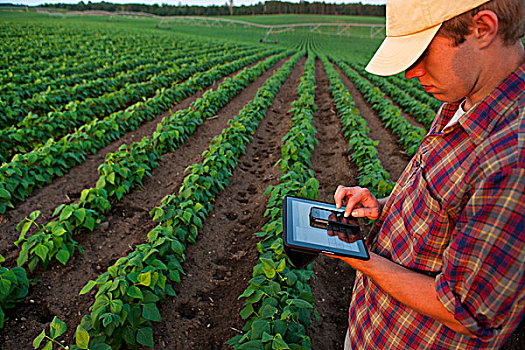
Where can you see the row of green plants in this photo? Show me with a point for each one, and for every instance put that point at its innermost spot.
(422, 112)
(112, 79)
(408, 135)
(38, 52)
(278, 301)
(122, 171)
(32, 170)
(100, 65)
(14, 286)
(34, 130)
(363, 150)
(52, 51)
(125, 304)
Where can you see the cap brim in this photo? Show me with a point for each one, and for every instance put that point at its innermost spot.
(397, 53)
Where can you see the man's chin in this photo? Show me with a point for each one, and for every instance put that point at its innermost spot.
(444, 98)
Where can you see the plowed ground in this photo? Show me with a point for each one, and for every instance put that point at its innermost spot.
(205, 312)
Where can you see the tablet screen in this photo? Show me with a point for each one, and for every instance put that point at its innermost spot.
(300, 234)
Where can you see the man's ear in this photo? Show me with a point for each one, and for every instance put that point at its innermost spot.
(485, 27)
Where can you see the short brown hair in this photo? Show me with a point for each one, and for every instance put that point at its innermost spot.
(510, 18)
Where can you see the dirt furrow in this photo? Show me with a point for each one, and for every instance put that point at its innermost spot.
(391, 154)
(67, 188)
(332, 285)
(126, 225)
(206, 311)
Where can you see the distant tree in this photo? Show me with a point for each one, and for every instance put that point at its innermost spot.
(268, 7)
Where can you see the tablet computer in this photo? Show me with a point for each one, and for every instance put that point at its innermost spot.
(316, 227)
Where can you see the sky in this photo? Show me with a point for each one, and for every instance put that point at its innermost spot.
(183, 2)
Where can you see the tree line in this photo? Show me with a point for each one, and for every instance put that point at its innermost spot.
(262, 8)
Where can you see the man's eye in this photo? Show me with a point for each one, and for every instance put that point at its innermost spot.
(418, 61)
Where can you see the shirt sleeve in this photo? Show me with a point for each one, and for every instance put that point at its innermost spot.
(483, 275)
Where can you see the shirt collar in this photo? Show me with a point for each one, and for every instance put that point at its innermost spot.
(480, 119)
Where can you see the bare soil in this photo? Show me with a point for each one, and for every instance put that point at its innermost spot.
(205, 313)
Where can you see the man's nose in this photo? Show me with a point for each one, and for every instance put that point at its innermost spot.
(415, 71)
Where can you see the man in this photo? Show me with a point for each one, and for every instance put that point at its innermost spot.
(447, 251)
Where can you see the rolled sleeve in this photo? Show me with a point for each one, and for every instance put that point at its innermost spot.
(482, 281)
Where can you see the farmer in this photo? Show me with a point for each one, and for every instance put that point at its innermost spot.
(447, 251)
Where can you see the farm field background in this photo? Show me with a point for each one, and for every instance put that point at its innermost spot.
(151, 158)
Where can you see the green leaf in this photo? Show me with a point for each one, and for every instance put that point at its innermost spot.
(80, 214)
(88, 287)
(58, 231)
(246, 311)
(81, 338)
(145, 336)
(116, 306)
(5, 194)
(111, 178)
(268, 311)
(48, 346)
(135, 292)
(58, 328)
(89, 223)
(258, 328)
(5, 287)
(63, 256)
(101, 183)
(281, 266)
(268, 267)
(302, 304)
(41, 251)
(38, 340)
(151, 312)
(66, 213)
(145, 279)
(266, 337)
(252, 345)
(279, 344)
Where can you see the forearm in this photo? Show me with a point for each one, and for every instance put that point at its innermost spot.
(412, 289)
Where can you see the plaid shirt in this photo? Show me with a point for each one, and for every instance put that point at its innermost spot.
(457, 213)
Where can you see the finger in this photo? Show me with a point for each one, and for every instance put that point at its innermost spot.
(356, 201)
(342, 194)
(339, 196)
(343, 237)
(371, 213)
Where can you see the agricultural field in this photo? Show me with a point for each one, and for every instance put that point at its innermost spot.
(143, 169)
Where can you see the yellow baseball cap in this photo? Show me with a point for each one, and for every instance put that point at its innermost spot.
(410, 27)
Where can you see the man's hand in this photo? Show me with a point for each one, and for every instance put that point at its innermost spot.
(359, 202)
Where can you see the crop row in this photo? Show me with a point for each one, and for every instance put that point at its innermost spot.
(98, 65)
(408, 135)
(24, 173)
(14, 286)
(39, 55)
(422, 112)
(56, 42)
(35, 130)
(123, 170)
(279, 301)
(65, 62)
(15, 107)
(364, 154)
(125, 305)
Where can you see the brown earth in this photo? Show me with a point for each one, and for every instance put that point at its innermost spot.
(205, 313)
